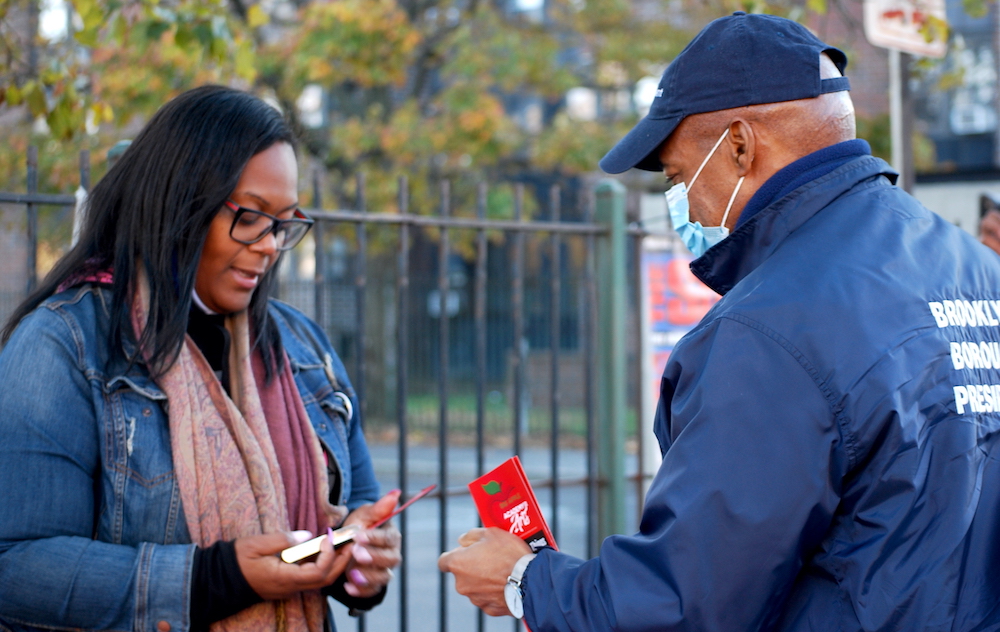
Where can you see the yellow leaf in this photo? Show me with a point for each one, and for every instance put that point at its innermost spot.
(246, 61)
(819, 6)
(14, 95)
(103, 113)
(257, 17)
(83, 7)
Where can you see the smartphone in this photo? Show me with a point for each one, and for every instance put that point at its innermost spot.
(309, 550)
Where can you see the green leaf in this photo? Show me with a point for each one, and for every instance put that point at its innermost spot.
(93, 16)
(492, 488)
(86, 37)
(119, 29)
(156, 29)
(975, 8)
(34, 96)
(257, 17)
(203, 32)
(184, 38)
(84, 7)
(218, 49)
(58, 121)
(50, 76)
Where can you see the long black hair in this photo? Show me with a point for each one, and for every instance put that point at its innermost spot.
(152, 211)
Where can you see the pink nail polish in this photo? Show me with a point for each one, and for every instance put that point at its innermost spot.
(357, 577)
(362, 555)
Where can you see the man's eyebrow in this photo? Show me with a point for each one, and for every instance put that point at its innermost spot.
(265, 202)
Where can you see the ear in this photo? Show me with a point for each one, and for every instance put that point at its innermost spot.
(742, 145)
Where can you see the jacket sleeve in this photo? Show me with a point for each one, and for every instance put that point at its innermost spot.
(52, 573)
(745, 491)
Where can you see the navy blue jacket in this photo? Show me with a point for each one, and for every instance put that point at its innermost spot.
(831, 455)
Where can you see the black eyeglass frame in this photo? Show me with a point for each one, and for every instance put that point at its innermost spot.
(300, 219)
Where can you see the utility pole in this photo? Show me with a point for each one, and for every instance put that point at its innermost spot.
(901, 118)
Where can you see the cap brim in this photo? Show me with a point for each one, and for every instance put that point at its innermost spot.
(639, 147)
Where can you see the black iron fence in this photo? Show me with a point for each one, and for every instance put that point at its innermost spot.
(468, 339)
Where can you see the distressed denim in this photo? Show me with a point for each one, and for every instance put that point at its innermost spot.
(92, 531)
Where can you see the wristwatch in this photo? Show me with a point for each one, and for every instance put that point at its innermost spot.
(513, 593)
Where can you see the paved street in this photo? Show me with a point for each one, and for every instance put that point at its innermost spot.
(422, 536)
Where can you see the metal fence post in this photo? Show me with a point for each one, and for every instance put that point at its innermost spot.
(32, 219)
(612, 404)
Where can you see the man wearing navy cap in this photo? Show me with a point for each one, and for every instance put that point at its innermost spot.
(831, 429)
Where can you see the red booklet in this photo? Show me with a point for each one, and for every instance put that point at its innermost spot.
(504, 499)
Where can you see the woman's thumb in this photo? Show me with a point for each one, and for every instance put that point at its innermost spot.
(386, 504)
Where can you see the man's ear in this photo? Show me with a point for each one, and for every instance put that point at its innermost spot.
(742, 145)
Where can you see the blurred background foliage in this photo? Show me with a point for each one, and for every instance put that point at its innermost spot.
(483, 89)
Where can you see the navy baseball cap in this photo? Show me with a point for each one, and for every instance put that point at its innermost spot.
(741, 59)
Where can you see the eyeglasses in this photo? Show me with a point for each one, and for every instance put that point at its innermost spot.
(250, 226)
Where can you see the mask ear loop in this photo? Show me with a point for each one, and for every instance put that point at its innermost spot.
(732, 198)
(705, 161)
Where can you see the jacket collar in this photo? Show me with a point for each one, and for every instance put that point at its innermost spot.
(732, 259)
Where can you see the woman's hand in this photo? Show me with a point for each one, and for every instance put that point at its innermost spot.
(271, 578)
(375, 552)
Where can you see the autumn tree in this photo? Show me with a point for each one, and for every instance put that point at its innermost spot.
(463, 89)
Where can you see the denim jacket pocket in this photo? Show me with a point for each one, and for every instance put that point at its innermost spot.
(141, 499)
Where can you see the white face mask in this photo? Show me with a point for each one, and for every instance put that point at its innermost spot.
(696, 237)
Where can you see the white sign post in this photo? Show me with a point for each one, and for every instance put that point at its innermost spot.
(900, 26)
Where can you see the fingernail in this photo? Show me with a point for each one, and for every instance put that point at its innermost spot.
(301, 536)
(352, 590)
(361, 538)
(357, 577)
(362, 555)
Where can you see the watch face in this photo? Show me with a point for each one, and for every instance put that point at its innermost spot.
(512, 595)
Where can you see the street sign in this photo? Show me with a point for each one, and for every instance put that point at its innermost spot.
(902, 24)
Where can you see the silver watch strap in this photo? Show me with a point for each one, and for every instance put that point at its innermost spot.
(519, 567)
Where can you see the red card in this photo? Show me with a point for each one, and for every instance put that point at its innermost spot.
(398, 510)
(504, 499)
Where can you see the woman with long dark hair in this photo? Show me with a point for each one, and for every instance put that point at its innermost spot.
(167, 428)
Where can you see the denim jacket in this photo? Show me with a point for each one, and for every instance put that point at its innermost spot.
(92, 531)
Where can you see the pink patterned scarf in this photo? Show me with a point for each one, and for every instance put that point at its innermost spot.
(232, 478)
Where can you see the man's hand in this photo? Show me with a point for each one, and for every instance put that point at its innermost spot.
(989, 230)
(481, 565)
(272, 578)
(375, 552)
